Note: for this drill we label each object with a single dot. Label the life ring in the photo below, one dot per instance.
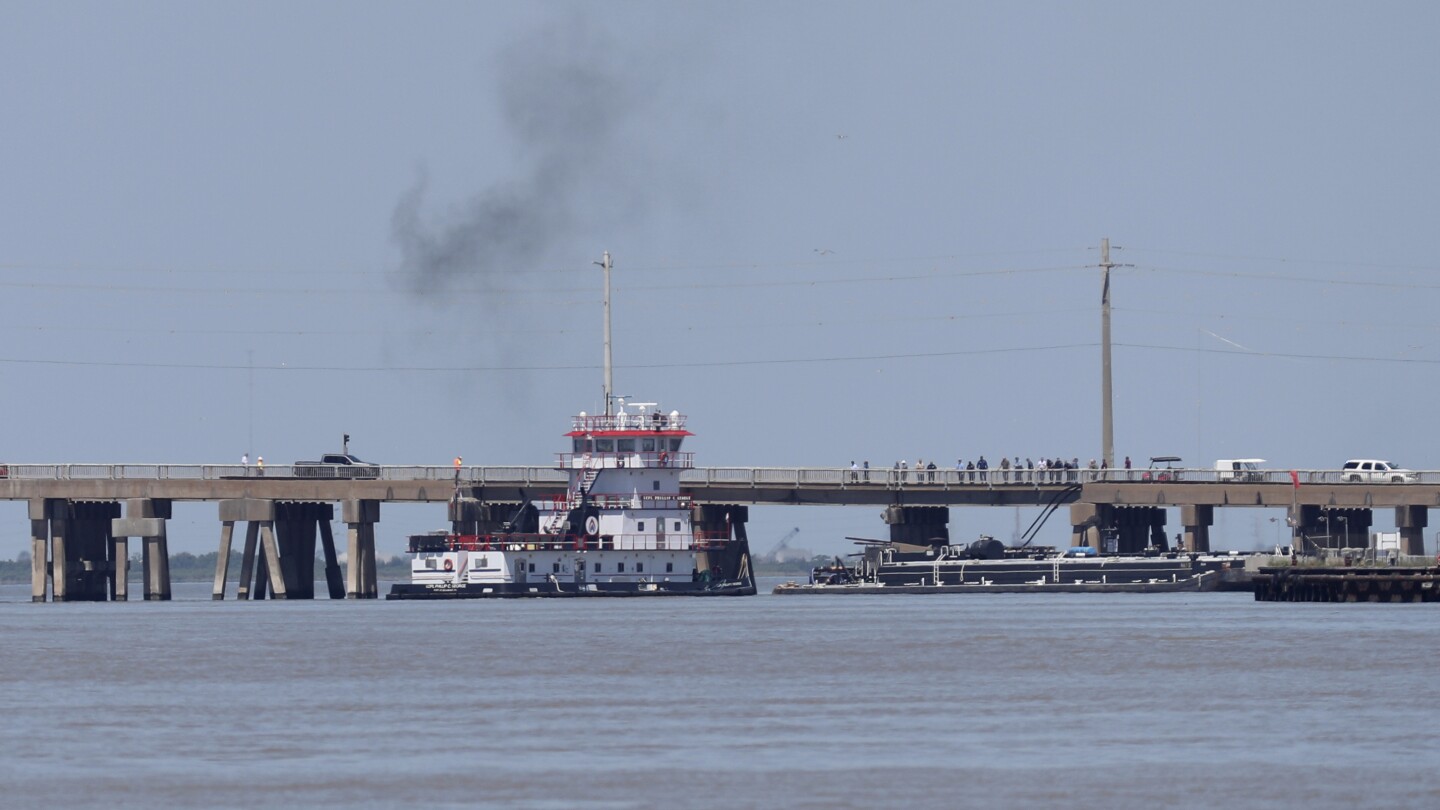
(449, 565)
(664, 458)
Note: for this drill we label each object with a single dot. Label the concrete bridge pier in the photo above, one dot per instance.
(723, 520)
(361, 516)
(145, 519)
(1087, 520)
(918, 525)
(1134, 528)
(474, 517)
(297, 527)
(1197, 520)
(260, 560)
(40, 512)
(78, 565)
(1315, 527)
(1411, 521)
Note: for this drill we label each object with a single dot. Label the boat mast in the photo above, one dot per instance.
(609, 380)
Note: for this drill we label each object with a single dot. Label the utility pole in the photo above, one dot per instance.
(609, 380)
(1107, 417)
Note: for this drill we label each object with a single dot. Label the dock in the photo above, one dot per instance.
(1347, 584)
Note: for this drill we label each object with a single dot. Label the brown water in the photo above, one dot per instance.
(1171, 700)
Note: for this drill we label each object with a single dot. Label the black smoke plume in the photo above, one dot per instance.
(565, 97)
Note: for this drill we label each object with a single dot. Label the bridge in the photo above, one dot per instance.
(79, 535)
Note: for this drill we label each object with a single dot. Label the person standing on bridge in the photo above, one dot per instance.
(854, 472)
(867, 471)
(260, 465)
(458, 461)
(983, 466)
(245, 462)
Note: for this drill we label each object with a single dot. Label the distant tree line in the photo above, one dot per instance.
(187, 567)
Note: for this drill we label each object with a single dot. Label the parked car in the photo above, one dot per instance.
(1375, 471)
(336, 465)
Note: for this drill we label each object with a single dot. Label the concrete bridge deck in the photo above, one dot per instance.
(749, 485)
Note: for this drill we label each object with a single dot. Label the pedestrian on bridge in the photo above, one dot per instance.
(983, 466)
(260, 466)
(458, 462)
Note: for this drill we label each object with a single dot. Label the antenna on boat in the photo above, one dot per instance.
(609, 380)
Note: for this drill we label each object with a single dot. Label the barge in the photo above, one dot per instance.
(987, 566)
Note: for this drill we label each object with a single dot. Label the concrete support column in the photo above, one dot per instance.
(39, 550)
(120, 574)
(145, 518)
(334, 578)
(361, 516)
(59, 559)
(255, 512)
(157, 567)
(1197, 520)
(247, 559)
(272, 561)
(1087, 520)
(1411, 521)
(222, 562)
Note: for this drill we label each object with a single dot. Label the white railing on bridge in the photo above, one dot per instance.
(838, 477)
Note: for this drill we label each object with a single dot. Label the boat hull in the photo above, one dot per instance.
(1207, 581)
(566, 590)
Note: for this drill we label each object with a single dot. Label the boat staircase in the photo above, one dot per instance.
(582, 486)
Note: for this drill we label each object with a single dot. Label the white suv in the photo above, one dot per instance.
(1375, 471)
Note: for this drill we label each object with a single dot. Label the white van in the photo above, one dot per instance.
(1239, 469)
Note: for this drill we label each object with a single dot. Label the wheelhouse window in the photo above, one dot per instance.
(604, 445)
(625, 445)
(675, 443)
(648, 445)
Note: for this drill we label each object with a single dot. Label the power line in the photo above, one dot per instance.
(582, 367)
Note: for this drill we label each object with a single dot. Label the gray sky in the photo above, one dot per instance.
(841, 231)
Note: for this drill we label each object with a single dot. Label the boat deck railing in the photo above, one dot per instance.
(550, 542)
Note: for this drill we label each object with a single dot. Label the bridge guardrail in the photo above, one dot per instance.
(709, 476)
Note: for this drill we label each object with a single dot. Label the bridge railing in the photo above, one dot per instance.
(841, 477)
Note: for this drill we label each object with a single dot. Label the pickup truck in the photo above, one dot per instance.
(336, 465)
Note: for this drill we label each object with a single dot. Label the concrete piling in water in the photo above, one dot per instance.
(145, 519)
(1197, 520)
(360, 517)
(39, 549)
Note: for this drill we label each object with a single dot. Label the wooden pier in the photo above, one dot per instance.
(1347, 584)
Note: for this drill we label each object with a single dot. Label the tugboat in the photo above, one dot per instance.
(622, 528)
(988, 566)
